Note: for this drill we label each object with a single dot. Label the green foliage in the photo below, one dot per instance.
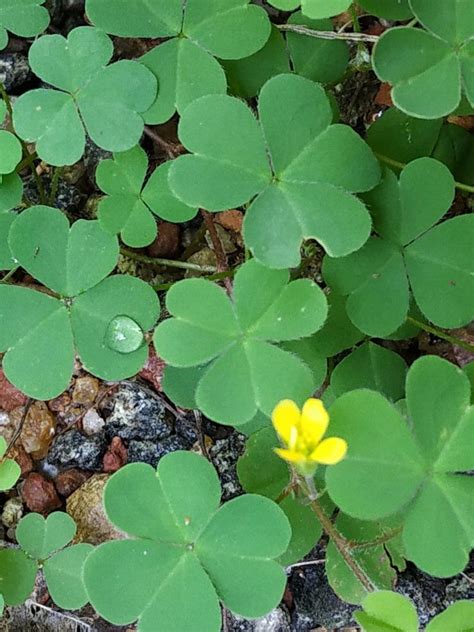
(420, 468)
(428, 85)
(9, 469)
(187, 553)
(42, 542)
(72, 262)
(300, 195)
(388, 9)
(129, 205)
(25, 18)
(107, 100)
(435, 263)
(385, 610)
(185, 66)
(315, 9)
(244, 372)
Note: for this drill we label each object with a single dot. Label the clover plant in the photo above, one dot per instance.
(185, 66)
(105, 101)
(42, 545)
(128, 207)
(103, 319)
(236, 159)
(354, 259)
(429, 84)
(25, 18)
(186, 553)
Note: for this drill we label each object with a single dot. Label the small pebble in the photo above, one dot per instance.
(92, 422)
(76, 450)
(12, 512)
(151, 452)
(85, 390)
(116, 456)
(10, 396)
(40, 494)
(38, 429)
(68, 481)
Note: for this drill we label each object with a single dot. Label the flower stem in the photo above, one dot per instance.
(167, 263)
(328, 35)
(339, 540)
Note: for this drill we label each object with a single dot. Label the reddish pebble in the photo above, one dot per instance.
(60, 404)
(10, 396)
(40, 494)
(231, 220)
(167, 241)
(67, 482)
(153, 370)
(116, 456)
(18, 454)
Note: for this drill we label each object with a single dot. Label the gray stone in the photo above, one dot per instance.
(276, 621)
(137, 414)
(186, 429)
(92, 156)
(224, 455)
(74, 449)
(14, 71)
(150, 452)
(68, 197)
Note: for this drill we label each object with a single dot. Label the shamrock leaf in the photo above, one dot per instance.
(436, 263)
(128, 208)
(11, 192)
(297, 194)
(245, 372)
(421, 468)
(6, 259)
(25, 18)
(17, 576)
(9, 469)
(315, 9)
(42, 540)
(107, 100)
(92, 315)
(429, 84)
(10, 153)
(187, 553)
(185, 66)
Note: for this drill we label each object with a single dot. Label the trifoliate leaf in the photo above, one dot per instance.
(422, 468)
(315, 9)
(389, 610)
(374, 367)
(429, 84)
(456, 618)
(6, 259)
(11, 192)
(305, 196)
(41, 537)
(185, 66)
(179, 563)
(25, 18)
(377, 279)
(64, 576)
(129, 205)
(17, 576)
(107, 100)
(246, 373)
(10, 153)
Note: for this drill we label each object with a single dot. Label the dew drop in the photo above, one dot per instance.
(124, 335)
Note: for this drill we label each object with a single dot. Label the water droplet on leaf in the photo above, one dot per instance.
(124, 335)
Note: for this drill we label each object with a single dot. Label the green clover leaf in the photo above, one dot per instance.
(420, 468)
(388, 9)
(315, 9)
(43, 540)
(38, 330)
(129, 206)
(185, 66)
(187, 553)
(25, 18)
(434, 263)
(17, 576)
(108, 101)
(297, 194)
(10, 153)
(429, 84)
(6, 257)
(245, 372)
(9, 469)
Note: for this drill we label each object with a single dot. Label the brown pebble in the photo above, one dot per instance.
(10, 396)
(39, 494)
(59, 404)
(153, 370)
(167, 242)
(231, 220)
(38, 429)
(116, 456)
(85, 390)
(68, 481)
(18, 454)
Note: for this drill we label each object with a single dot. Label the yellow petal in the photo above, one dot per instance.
(290, 455)
(314, 421)
(285, 417)
(330, 451)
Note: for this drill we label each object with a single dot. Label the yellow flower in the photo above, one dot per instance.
(302, 431)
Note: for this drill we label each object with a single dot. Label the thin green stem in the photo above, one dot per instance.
(376, 541)
(167, 263)
(401, 165)
(162, 287)
(328, 35)
(340, 542)
(441, 334)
